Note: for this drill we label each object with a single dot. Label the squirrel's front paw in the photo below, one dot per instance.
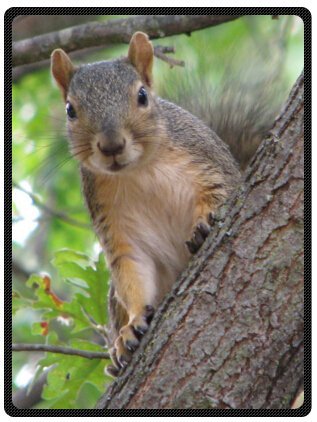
(199, 234)
(129, 339)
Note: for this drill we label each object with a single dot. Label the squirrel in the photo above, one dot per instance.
(152, 177)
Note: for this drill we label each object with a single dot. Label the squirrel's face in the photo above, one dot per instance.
(112, 118)
(112, 115)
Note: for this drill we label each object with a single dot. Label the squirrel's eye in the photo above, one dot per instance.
(142, 97)
(70, 111)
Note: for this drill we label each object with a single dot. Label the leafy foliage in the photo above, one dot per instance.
(78, 323)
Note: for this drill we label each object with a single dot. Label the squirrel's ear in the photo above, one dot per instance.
(141, 56)
(62, 70)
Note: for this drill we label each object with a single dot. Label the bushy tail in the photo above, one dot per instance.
(240, 107)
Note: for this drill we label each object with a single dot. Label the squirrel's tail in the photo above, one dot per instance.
(241, 107)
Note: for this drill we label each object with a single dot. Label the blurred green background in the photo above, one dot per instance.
(48, 211)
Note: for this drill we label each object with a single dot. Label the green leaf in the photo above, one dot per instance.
(68, 255)
(34, 281)
(68, 376)
(38, 328)
(71, 323)
(88, 396)
(93, 295)
(19, 302)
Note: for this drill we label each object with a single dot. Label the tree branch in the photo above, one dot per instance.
(59, 349)
(110, 32)
(234, 321)
(160, 52)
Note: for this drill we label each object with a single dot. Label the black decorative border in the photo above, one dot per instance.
(10, 409)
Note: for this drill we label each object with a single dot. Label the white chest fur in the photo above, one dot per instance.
(153, 210)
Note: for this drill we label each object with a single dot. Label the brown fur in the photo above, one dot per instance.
(146, 201)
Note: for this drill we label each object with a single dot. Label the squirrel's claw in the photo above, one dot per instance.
(112, 371)
(114, 368)
(200, 233)
(129, 340)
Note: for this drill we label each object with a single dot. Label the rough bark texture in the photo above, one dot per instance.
(230, 335)
(110, 32)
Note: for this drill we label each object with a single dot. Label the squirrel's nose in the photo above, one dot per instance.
(109, 149)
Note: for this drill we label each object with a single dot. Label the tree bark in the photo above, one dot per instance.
(230, 334)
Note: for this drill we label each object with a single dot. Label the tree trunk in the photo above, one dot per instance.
(230, 335)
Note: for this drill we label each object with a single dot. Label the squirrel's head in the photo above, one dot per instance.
(112, 115)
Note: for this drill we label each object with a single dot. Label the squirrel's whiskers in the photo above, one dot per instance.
(152, 173)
